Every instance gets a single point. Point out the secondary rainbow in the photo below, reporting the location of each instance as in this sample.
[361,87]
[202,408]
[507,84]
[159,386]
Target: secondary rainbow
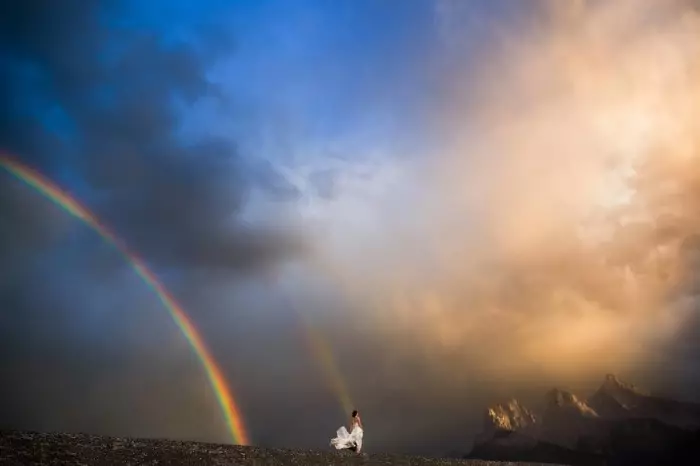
[322,352]
[231,413]
[324,355]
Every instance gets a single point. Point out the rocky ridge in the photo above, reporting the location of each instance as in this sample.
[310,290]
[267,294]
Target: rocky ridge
[618,424]
[510,416]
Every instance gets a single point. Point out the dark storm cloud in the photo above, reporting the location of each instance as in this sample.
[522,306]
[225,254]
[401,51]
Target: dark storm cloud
[90,98]
[274,182]
[118,89]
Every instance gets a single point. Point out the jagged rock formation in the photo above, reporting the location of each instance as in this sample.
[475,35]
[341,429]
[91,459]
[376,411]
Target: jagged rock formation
[509,417]
[562,400]
[618,422]
[566,419]
[610,399]
[617,400]
[512,432]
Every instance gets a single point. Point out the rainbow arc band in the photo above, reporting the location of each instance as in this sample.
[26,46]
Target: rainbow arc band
[322,352]
[229,409]
[324,355]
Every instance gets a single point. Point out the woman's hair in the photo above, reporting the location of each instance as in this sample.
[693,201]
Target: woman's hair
[354,413]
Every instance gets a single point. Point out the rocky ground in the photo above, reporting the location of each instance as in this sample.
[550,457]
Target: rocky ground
[29,448]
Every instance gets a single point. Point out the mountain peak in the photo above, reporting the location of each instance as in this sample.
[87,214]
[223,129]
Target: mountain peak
[508,422]
[561,399]
[509,416]
[613,384]
[614,398]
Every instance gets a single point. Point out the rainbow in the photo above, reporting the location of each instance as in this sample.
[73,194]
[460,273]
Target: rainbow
[232,415]
[323,354]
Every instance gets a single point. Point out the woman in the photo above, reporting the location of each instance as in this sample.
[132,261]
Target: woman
[353,439]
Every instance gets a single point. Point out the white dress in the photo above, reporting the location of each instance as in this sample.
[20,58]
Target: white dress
[345,439]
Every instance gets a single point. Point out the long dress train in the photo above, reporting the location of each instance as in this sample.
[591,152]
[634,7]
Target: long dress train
[345,439]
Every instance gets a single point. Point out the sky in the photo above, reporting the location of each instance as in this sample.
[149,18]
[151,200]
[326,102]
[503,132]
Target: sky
[463,200]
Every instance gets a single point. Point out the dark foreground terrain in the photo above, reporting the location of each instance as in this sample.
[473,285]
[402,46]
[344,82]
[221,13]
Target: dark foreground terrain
[29,448]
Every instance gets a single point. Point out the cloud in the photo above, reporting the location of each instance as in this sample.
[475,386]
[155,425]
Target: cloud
[542,243]
[118,89]
[546,238]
